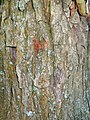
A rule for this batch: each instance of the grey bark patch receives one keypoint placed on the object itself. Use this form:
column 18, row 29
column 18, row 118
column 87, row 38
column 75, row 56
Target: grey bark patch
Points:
column 57, row 84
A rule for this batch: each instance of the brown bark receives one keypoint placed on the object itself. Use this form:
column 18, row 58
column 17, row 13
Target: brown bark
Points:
column 45, row 77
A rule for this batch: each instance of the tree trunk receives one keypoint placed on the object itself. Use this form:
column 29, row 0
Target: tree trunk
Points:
column 44, row 61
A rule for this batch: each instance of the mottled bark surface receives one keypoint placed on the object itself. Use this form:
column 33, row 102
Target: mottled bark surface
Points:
column 44, row 61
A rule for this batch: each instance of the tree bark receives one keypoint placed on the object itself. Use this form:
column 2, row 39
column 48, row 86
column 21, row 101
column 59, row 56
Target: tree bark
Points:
column 45, row 61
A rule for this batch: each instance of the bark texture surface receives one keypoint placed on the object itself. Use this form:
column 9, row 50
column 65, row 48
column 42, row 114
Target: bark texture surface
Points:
column 44, row 61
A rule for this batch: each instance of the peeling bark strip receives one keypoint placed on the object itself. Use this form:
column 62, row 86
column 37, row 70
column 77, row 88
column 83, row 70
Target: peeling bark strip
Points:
column 82, row 6
column 72, row 9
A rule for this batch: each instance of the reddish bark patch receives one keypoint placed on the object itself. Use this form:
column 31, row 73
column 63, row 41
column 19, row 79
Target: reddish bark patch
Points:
column 38, row 46
column 72, row 9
